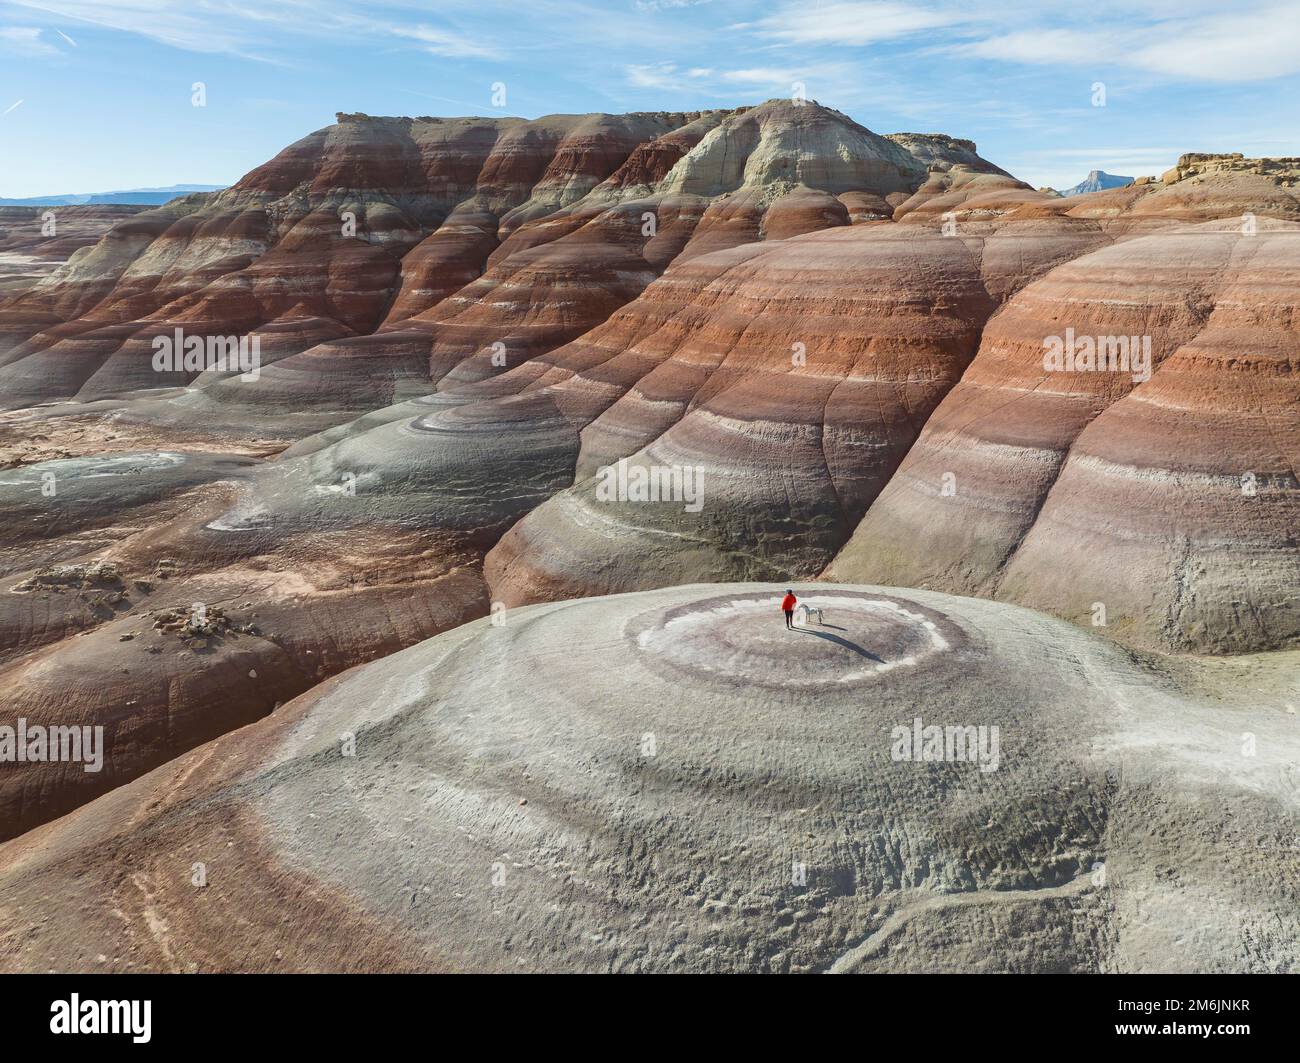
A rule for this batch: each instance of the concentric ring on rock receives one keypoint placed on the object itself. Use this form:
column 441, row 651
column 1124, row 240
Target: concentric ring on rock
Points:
column 742, row 639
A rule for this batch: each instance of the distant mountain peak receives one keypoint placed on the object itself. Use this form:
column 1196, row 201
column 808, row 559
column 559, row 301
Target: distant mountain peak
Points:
column 1097, row 181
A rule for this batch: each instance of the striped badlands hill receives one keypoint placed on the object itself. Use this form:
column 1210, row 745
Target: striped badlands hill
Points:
column 473, row 238
column 839, row 336
column 1164, row 509
column 381, row 254
column 318, row 235
column 1167, row 508
column 35, row 241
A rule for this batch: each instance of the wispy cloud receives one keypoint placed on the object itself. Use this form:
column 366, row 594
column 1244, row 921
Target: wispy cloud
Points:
column 1246, row 45
column 668, row 77
column 1047, row 47
column 772, row 77
column 210, row 28
column 202, row 30
column 668, row 5
column 654, row 76
column 1240, row 46
column 445, row 42
column 1256, row 40
column 825, row 80
column 25, row 41
column 849, row 23
column 234, row 28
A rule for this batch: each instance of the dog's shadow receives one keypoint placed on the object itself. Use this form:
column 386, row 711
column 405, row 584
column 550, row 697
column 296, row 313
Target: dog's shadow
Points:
column 842, row 642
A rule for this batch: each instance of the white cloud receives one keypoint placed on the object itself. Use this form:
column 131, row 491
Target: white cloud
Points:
column 156, row 19
column 1247, row 45
column 657, row 76
column 25, row 42
column 1195, row 42
column 826, row 80
column 761, row 75
column 849, row 22
column 1048, row 46
column 1243, row 46
column 232, row 27
column 445, row 42
column 667, row 5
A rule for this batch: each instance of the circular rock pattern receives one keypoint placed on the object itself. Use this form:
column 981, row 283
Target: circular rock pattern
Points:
column 741, row 639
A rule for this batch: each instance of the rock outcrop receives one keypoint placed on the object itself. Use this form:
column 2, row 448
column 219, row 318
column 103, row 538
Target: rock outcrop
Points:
column 1281, row 171
column 939, row 151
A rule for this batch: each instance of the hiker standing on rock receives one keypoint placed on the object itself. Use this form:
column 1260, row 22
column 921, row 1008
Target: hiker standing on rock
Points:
column 787, row 606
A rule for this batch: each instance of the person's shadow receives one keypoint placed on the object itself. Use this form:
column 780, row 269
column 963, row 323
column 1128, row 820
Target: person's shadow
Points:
column 822, row 634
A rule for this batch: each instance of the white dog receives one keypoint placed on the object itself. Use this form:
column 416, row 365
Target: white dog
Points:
column 808, row 611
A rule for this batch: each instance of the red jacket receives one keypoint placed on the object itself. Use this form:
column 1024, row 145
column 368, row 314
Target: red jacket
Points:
column 788, row 602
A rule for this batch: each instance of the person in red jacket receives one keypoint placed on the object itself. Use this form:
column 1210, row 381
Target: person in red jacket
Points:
column 787, row 606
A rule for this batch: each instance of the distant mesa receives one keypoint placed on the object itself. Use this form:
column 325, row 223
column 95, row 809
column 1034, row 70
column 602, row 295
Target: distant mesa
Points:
column 149, row 197
column 1097, row 181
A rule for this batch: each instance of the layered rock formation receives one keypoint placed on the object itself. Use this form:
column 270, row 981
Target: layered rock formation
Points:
column 130, row 605
column 321, row 229
column 1189, row 571
column 823, row 347
column 35, row 241
column 749, row 374
column 671, row 781
column 432, row 245
column 1280, row 171
column 1162, row 497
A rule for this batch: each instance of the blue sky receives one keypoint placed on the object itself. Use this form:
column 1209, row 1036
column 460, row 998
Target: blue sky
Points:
column 96, row 94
